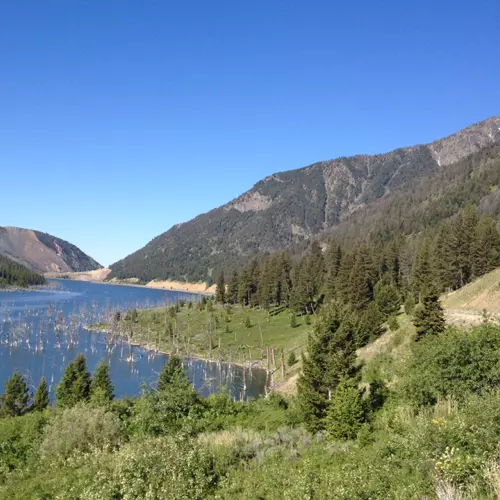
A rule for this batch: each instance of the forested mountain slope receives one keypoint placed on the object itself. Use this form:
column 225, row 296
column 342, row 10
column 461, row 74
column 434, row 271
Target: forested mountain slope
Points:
column 14, row 274
column 351, row 196
column 42, row 252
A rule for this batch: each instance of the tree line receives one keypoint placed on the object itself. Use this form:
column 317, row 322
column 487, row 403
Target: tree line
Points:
column 14, row 274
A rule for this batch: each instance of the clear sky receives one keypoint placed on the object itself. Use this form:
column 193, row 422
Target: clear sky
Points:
column 120, row 118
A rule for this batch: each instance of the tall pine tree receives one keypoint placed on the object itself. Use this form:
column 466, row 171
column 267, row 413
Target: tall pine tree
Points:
column 75, row 383
column 41, row 400
column 101, row 387
column 429, row 316
column 16, row 398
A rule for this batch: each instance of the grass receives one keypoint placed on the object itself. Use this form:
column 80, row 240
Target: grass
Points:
column 481, row 294
column 379, row 357
column 235, row 334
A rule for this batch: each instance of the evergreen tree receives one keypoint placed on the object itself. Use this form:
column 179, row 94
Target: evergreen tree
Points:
column 243, row 288
column 333, row 260
column 429, row 316
column 387, row 299
column 345, row 414
column 101, row 388
column 422, row 269
column 75, row 383
column 486, row 247
column 409, row 305
column 220, row 293
column 233, row 288
column 16, row 398
column 173, row 375
column 360, row 289
column 331, row 356
column 41, row 400
column 315, row 270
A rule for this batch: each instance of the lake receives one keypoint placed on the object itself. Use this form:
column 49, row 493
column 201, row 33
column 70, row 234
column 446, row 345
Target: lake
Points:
column 42, row 330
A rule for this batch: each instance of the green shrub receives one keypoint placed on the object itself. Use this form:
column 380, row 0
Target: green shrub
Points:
column 156, row 468
column 452, row 364
column 80, row 429
column 292, row 358
column 393, row 323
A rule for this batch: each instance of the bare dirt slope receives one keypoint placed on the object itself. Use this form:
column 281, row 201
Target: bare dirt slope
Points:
column 42, row 252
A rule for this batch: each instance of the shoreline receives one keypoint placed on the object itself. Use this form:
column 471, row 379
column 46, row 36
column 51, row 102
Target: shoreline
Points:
column 176, row 286
column 252, row 363
column 137, row 285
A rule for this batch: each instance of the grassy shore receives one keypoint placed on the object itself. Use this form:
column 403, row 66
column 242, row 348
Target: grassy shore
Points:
column 232, row 334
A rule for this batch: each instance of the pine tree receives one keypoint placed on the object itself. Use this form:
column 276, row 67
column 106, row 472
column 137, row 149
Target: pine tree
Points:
column 41, row 400
column 75, row 383
column 345, row 414
column 220, row 293
column 361, row 292
column 422, row 269
column 16, row 398
column 333, row 260
column 173, row 375
column 387, row 299
column 233, row 288
column 101, row 388
column 331, row 356
column 429, row 316
column 243, row 288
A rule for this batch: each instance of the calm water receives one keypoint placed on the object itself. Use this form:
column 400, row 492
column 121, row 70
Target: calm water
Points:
column 42, row 331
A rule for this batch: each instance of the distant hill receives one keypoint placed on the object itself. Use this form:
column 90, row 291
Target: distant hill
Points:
column 407, row 190
column 42, row 252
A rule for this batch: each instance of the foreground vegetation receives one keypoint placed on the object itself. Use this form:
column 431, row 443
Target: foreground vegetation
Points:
column 421, row 422
column 13, row 274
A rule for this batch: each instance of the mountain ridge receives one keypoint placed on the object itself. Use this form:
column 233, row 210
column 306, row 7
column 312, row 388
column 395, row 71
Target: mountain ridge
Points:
column 293, row 206
column 42, row 252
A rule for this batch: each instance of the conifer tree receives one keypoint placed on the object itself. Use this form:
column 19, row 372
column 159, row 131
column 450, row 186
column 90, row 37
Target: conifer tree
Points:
column 101, row 387
column 41, row 400
column 429, row 316
column 333, row 260
column 387, row 299
column 172, row 375
column 220, row 293
column 345, row 414
column 243, row 288
column 233, row 288
column 331, row 356
column 360, row 293
column 75, row 383
column 422, row 270
column 16, row 398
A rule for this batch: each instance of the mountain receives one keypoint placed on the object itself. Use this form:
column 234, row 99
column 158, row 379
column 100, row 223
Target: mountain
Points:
column 332, row 197
column 42, row 252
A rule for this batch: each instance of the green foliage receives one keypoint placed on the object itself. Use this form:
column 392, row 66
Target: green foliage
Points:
column 454, row 363
column 293, row 320
column 101, row 388
column 163, row 468
column 388, row 300
column 409, row 305
column 173, row 374
column 292, row 359
column 345, row 414
column 331, row 357
column 75, row 383
column 15, row 400
column 80, row 429
column 393, row 323
column 429, row 316
column 41, row 399
column 248, row 322
column 14, row 274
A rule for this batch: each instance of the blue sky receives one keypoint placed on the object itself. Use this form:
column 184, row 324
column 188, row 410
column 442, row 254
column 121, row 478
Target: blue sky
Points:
column 121, row 118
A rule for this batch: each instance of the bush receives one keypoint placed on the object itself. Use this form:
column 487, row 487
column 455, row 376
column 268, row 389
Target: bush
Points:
column 393, row 323
column 157, row 468
column 292, row 358
column 454, row 363
column 80, row 429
